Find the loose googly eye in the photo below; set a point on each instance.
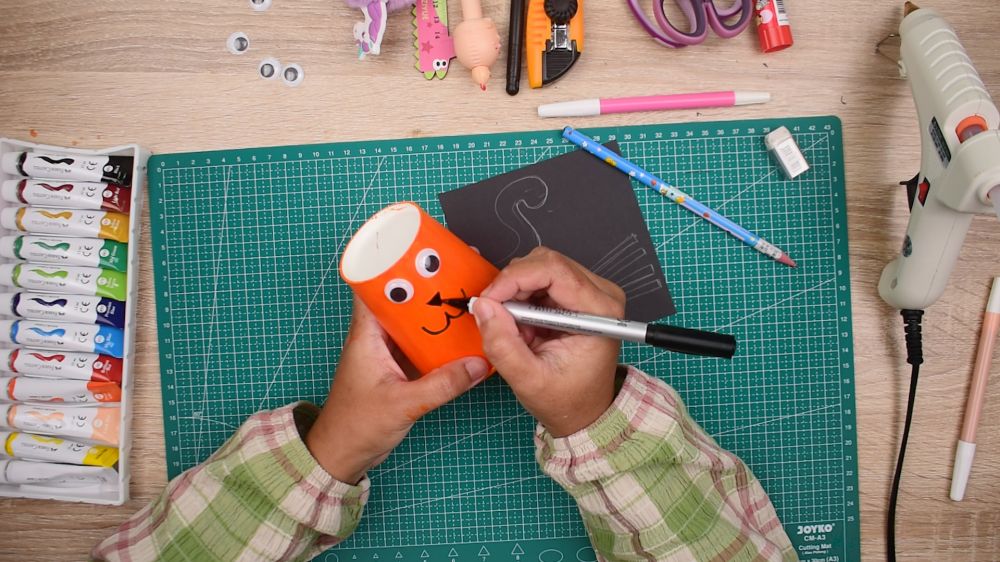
(260, 5)
(269, 68)
(399, 291)
(428, 262)
(238, 43)
(292, 75)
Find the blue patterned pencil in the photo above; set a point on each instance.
(667, 190)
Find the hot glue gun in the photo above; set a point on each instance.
(960, 160)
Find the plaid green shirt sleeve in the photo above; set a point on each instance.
(653, 485)
(261, 496)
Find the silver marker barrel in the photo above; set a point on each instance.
(673, 338)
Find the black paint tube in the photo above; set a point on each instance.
(83, 167)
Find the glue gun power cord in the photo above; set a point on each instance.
(914, 356)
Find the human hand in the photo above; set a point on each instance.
(373, 402)
(565, 380)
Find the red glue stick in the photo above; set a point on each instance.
(773, 28)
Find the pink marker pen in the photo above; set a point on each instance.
(966, 449)
(604, 106)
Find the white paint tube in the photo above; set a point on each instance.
(51, 475)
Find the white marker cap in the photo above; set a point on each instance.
(7, 274)
(8, 163)
(8, 191)
(994, 303)
(5, 327)
(4, 410)
(6, 309)
(576, 108)
(8, 218)
(963, 465)
(7, 247)
(750, 98)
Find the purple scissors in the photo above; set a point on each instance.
(699, 14)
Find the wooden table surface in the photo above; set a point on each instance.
(97, 74)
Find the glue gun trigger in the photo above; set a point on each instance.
(911, 189)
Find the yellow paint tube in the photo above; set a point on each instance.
(52, 449)
(67, 222)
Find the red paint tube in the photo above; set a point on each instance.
(73, 365)
(773, 28)
(94, 196)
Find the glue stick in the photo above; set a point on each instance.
(96, 423)
(52, 475)
(773, 29)
(64, 308)
(90, 281)
(64, 365)
(88, 252)
(37, 389)
(66, 166)
(69, 195)
(64, 336)
(52, 449)
(66, 222)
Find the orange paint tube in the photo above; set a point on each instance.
(401, 264)
(95, 423)
(31, 389)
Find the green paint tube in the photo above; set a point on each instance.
(88, 252)
(67, 280)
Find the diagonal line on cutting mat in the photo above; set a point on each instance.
(753, 184)
(747, 317)
(459, 495)
(453, 443)
(771, 420)
(215, 297)
(204, 419)
(322, 282)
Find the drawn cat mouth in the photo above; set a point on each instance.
(436, 301)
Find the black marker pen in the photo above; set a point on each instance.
(673, 338)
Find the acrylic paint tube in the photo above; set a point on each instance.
(37, 389)
(66, 166)
(52, 449)
(66, 222)
(86, 252)
(95, 196)
(69, 280)
(66, 365)
(64, 308)
(64, 336)
(94, 423)
(52, 475)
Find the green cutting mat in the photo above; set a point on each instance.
(252, 314)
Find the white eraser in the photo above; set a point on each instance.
(782, 146)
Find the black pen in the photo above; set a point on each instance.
(515, 45)
(673, 338)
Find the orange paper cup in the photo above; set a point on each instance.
(401, 264)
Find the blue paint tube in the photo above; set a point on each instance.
(64, 336)
(64, 308)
